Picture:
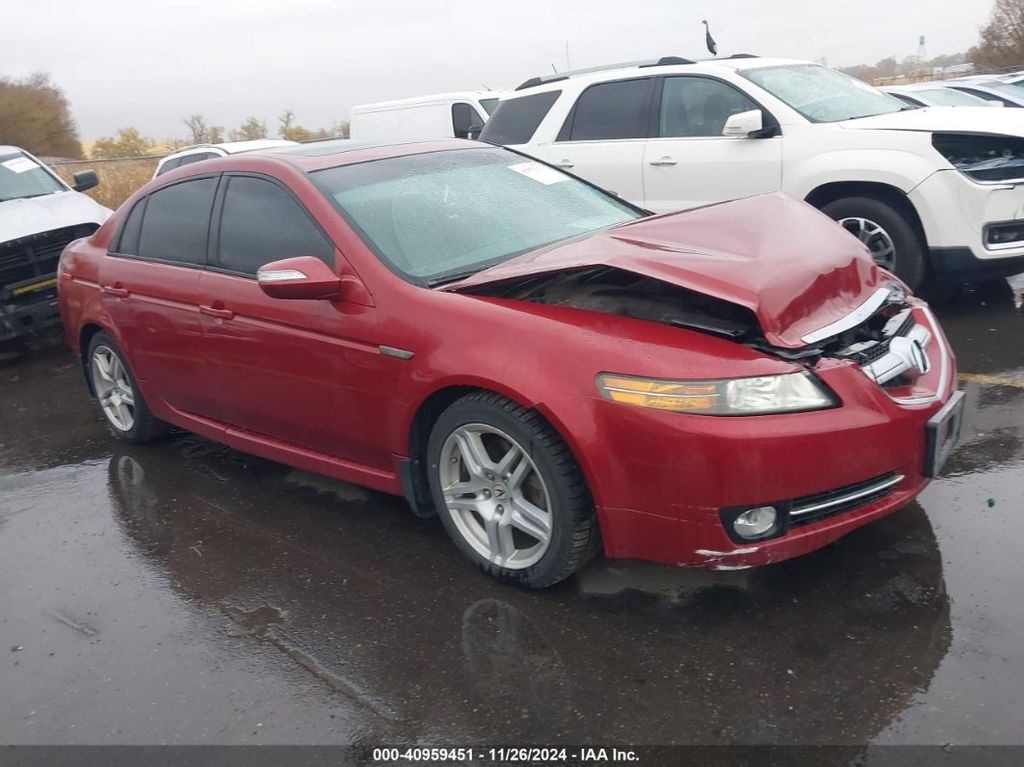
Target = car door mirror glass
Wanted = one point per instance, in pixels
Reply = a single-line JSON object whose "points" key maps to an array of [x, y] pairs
{"points": [[743, 124], [302, 277]]}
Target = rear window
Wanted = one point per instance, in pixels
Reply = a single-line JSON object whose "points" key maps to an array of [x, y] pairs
{"points": [[176, 221], [609, 111], [516, 120]]}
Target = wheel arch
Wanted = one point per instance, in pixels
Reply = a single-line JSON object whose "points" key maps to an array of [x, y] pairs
{"points": [[829, 192], [85, 336]]}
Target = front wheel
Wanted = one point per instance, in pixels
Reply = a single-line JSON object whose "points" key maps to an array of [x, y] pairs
{"points": [[509, 492], [888, 235]]}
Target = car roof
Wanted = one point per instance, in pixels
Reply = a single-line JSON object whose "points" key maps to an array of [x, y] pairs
{"points": [[431, 97], [666, 65], [331, 153]]}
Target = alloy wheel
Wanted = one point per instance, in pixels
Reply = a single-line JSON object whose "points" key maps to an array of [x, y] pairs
{"points": [[113, 388], [496, 496], [877, 240]]}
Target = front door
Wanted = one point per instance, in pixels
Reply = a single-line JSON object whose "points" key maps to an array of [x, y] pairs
{"points": [[688, 162], [286, 369]]}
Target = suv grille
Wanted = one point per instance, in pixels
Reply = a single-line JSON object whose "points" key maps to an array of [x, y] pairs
{"points": [[29, 258]]}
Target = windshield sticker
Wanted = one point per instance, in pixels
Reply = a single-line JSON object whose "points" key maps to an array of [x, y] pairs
{"points": [[538, 172], [19, 165]]}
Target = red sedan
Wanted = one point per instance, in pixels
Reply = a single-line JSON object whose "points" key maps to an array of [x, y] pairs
{"points": [[549, 369]]}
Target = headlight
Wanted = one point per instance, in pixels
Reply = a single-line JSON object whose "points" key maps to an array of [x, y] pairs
{"points": [[983, 156], [788, 393]]}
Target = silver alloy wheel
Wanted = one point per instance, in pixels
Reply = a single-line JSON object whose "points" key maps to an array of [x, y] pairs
{"points": [[878, 241], [496, 496], [113, 388]]}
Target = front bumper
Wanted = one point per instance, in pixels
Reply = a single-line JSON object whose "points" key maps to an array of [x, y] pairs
{"points": [[955, 211], [29, 319], [661, 480]]}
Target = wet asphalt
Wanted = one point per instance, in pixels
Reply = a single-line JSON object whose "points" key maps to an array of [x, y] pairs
{"points": [[181, 593]]}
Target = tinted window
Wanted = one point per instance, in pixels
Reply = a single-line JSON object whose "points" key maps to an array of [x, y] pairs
{"points": [[612, 111], [129, 242], [260, 223], [489, 105], [463, 117], [698, 106], [169, 166], [176, 222], [516, 120], [191, 158]]}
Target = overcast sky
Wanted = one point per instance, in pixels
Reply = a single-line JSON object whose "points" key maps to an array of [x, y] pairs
{"points": [[126, 62]]}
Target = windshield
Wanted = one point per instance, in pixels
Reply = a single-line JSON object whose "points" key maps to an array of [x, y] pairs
{"points": [[1000, 87], [821, 94], [947, 97], [21, 176], [441, 216], [489, 105]]}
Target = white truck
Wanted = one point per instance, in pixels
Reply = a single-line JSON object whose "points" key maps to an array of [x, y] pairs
{"points": [[39, 216], [460, 114], [934, 192]]}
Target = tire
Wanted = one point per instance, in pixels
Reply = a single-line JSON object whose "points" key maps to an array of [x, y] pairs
{"points": [[500, 523], [128, 417], [908, 257]]}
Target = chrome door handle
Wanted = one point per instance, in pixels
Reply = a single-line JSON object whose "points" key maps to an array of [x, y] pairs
{"points": [[666, 160], [115, 290], [565, 164], [212, 311]]}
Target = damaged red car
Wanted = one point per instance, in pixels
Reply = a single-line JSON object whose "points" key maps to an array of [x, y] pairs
{"points": [[549, 369]]}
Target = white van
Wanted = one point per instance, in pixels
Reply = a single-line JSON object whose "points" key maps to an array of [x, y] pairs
{"points": [[441, 115]]}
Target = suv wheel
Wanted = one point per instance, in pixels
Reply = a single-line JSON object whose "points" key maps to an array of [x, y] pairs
{"points": [[886, 232], [509, 491], [118, 396]]}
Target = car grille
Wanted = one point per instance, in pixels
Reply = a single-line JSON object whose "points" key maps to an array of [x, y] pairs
{"points": [[29, 258], [812, 508], [882, 361]]}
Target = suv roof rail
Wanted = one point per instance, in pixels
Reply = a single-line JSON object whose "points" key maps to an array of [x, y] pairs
{"points": [[744, 56], [664, 61]]}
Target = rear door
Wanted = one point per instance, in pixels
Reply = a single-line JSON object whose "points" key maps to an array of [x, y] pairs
{"points": [[149, 282], [688, 162], [604, 135], [287, 369]]}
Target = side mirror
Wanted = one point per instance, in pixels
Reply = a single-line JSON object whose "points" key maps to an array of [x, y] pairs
{"points": [[85, 179], [743, 124], [474, 131], [304, 277]]}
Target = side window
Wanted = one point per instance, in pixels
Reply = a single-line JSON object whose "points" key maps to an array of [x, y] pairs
{"points": [[261, 222], [698, 106], [612, 111], [129, 240], [516, 120], [169, 166], [463, 118], [176, 222]]}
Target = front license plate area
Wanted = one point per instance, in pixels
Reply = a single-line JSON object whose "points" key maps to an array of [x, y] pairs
{"points": [[942, 434]]}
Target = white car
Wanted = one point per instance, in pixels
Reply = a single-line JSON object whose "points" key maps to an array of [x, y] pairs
{"points": [[936, 191], [992, 91], [934, 94], [199, 152], [461, 114], [39, 216]]}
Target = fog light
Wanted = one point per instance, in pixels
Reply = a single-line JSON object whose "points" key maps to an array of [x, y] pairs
{"points": [[755, 523]]}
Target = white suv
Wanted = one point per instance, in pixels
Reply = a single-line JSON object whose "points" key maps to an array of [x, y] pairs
{"points": [[200, 152], [935, 191]]}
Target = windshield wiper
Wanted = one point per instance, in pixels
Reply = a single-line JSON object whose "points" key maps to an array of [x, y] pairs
{"points": [[454, 276]]}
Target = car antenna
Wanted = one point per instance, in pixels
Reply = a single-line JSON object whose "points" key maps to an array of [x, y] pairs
{"points": [[709, 40]]}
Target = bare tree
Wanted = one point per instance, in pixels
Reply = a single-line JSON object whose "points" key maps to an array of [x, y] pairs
{"points": [[1002, 39], [197, 127]]}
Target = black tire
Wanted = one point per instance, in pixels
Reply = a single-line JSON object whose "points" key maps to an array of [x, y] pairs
{"points": [[146, 426], [574, 530], [910, 264]]}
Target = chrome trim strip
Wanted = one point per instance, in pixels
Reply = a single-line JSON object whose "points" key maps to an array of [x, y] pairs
{"points": [[854, 318], [391, 351], [883, 485]]}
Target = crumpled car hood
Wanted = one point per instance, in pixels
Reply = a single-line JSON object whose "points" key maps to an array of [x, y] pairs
{"points": [[33, 215], [792, 266], [1006, 121]]}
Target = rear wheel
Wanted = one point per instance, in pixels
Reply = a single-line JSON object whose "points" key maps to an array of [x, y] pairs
{"points": [[509, 492], [888, 235], [117, 394]]}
